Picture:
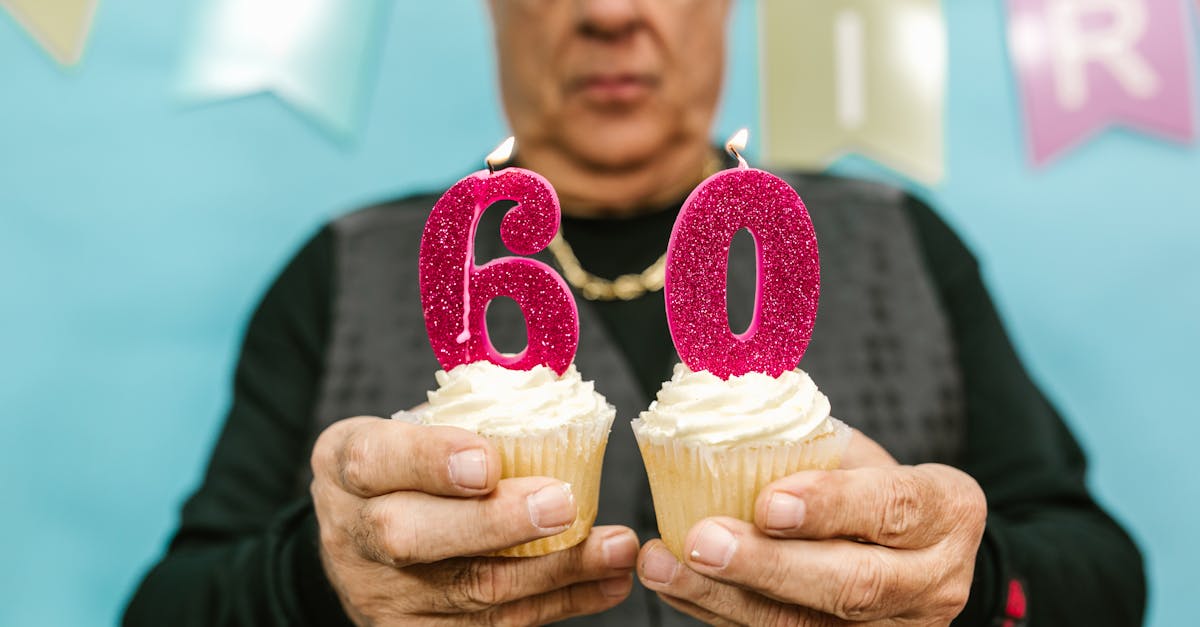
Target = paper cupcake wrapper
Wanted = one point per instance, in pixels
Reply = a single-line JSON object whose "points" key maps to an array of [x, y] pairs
{"points": [[573, 454], [690, 482]]}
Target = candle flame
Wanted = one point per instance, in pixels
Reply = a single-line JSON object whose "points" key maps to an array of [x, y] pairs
{"points": [[737, 143], [501, 153]]}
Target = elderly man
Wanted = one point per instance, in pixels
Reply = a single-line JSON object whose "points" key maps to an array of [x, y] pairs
{"points": [[304, 519]]}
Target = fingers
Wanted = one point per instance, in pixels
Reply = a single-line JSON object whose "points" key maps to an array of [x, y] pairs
{"points": [[898, 506], [476, 584], [863, 451], [695, 611], [370, 457], [716, 602], [766, 614], [850, 580], [577, 600], [404, 528]]}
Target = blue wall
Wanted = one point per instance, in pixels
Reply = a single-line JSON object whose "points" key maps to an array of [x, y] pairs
{"points": [[136, 234]]}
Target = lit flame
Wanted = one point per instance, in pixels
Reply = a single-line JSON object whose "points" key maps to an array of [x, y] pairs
{"points": [[737, 143], [501, 153]]}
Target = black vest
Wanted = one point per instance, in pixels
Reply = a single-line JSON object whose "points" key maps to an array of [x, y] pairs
{"points": [[881, 349]]}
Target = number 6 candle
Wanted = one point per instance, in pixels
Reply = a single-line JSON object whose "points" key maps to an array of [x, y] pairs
{"points": [[455, 292], [697, 266]]}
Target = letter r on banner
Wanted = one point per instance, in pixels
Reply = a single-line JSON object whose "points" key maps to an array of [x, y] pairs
{"points": [[1112, 46], [1085, 64]]}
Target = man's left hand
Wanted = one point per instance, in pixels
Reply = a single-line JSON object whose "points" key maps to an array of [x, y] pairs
{"points": [[874, 542]]}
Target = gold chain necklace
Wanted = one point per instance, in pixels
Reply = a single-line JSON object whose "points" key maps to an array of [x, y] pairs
{"points": [[626, 286]]}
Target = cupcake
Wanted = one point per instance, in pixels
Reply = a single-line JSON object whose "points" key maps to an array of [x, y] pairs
{"points": [[542, 423], [711, 444]]}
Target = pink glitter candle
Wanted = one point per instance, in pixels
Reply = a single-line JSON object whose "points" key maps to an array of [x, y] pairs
{"points": [[455, 292], [697, 265]]}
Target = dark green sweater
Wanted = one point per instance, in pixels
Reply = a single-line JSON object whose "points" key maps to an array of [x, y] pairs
{"points": [[246, 549]]}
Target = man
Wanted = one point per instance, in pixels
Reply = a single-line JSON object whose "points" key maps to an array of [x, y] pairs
{"points": [[612, 100]]}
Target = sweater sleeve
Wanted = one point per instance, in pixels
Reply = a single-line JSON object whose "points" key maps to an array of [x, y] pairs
{"points": [[246, 550], [1050, 555]]}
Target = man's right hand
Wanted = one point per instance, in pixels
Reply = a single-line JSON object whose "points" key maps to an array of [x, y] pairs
{"points": [[407, 511]]}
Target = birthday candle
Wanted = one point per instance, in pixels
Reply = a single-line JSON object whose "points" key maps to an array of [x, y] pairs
{"points": [[789, 280], [455, 292]]}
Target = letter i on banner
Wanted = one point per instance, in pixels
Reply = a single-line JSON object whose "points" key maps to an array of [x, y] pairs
{"points": [[854, 75], [1085, 64]]}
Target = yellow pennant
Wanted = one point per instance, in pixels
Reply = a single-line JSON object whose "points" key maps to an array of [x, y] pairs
{"points": [[60, 26], [866, 76]]}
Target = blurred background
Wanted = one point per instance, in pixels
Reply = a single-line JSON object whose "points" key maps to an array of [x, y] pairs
{"points": [[148, 196]]}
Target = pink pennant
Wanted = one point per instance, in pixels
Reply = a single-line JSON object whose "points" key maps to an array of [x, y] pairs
{"points": [[1085, 64]]}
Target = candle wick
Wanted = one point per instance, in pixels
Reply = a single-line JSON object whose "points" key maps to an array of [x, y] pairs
{"points": [[735, 152], [736, 145], [501, 154]]}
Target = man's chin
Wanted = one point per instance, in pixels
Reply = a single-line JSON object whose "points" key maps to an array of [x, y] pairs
{"points": [[613, 145]]}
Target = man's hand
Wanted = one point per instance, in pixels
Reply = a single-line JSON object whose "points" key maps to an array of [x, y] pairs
{"points": [[877, 543], [403, 508]]}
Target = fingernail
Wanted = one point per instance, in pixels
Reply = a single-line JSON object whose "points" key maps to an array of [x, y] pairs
{"points": [[784, 511], [469, 469], [620, 551], [660, 566], [618, 587], [552, 507], [714, 545]]}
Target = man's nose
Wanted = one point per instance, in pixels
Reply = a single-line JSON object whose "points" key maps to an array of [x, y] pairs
{"points": [[609, 19]]}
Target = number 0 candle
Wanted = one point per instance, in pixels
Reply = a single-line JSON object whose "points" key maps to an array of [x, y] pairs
{"points": [[455, 292], [788, 283]]}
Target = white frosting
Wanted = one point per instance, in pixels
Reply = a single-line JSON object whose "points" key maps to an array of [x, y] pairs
{"points": [[491, 399], [703, 408]]}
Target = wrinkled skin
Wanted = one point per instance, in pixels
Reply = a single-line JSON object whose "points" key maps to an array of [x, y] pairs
{"points": [[407, 514], [875, 543]]}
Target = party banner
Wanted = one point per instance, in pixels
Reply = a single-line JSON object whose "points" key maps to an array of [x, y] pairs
{"points": [[1085, 64], [61, 27], [313, 54], [867, 76]]}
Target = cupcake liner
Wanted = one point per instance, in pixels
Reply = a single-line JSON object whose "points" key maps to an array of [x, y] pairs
{"points": [[691, 481], [573, 454]]}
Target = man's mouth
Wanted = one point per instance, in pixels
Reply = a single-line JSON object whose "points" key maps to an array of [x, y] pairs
{"points": [[613, 88]]}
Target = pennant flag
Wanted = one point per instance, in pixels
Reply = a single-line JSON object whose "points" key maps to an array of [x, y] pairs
{"points": [[61, 27], [313, 54], [1083, 65], [867, 76]]}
